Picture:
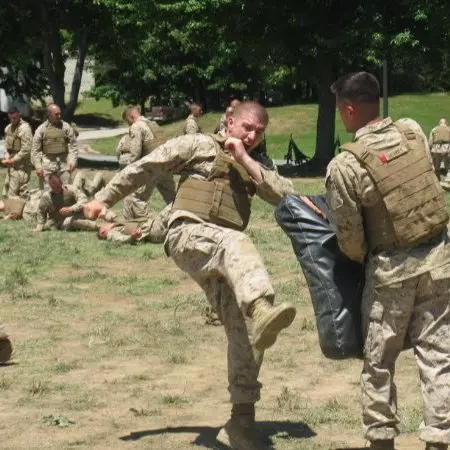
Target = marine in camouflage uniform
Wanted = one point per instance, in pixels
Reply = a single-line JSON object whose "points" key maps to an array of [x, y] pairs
{"points": [[54, 147], [91, 185], [18, 139], [153, 230], [191, 125], [143, 137], [61, 207], [390, 215], [205, 240], [439, 142]]}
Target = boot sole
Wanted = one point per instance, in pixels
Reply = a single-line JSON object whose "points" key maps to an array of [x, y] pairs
{"points": [[267, 337], [5, 350]]}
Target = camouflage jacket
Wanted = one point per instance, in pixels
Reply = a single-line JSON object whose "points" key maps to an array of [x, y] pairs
{"points": [[350, 189], [191, 125], [22, 131], [191, 156], [48, 210], [40, 160], [140, 134]]}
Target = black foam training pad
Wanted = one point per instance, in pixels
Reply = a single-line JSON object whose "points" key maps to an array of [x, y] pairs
{"points": [[335, 282]]}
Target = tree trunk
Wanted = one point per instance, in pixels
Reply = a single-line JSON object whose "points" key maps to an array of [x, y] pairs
{"points": [[53, 59], [77, 76], [326, 116]]}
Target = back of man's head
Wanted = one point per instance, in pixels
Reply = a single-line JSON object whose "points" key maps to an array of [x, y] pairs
{"points": [[443, 122], [195, 109], [357, 88]]}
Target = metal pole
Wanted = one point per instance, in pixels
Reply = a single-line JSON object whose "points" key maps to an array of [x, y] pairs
{"points": [[385, 88]]}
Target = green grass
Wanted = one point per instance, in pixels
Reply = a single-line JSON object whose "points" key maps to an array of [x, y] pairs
{"points": [[113, 338], [298, 120]]}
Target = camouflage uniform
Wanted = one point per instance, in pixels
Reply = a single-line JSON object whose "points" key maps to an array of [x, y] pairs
{"points": [[440, 151], [224, 262], [54, 163], [135, 206], [406, 294], [93, 185], [48, 212], [153, 230], [18, 140], [191, 125]]}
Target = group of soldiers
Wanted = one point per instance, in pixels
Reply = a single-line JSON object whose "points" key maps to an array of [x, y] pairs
{"points": [[389, 213]]}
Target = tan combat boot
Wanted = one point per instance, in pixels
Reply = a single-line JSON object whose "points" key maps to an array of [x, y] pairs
{"points": [[435, 446], [268, 321], [239, 433], [5, 347], [384, 444]]}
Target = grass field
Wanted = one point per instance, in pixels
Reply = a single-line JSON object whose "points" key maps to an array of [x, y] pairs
{"points": [[111, 351], [298, 120]]}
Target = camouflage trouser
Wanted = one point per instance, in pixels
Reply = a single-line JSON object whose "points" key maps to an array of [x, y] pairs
{"points": [[135, 206], [55, 165], [16, 182], [418, 307], [228, 268], [77, 222], [31, 207], [441, 154]]}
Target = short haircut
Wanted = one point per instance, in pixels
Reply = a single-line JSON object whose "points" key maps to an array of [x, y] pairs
{"points": [[13, 109], [129, 109], [254, 108], [54, 176], [194, 107], [442, 121], [358, 87]]}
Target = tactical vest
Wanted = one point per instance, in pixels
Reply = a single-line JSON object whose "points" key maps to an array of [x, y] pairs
{"points": [[13, 141], [54, 141], [150, 145], [224, 199], [14, 207], [441, 134], [412, 209], [66, 198]]}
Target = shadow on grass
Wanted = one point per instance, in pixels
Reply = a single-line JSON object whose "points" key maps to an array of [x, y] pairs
{"points": [[207, 435], [95, 120]]}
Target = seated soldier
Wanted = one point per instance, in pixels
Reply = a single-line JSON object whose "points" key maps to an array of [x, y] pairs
{"points": [[61, 207], [153, 230]]}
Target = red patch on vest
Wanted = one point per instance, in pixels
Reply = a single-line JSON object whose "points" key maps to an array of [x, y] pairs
{"points": [[384, 158]]}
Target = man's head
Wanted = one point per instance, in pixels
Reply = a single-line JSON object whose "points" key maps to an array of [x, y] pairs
{"points": [[443, 122], [54, 114], [248, 123], [55, 183], [14, 115], [131, 114], [358, 99], [104, 230], [195, 109]]}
